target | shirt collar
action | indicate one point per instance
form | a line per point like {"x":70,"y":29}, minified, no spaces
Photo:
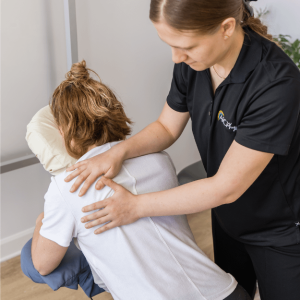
{"x":248,"y":59}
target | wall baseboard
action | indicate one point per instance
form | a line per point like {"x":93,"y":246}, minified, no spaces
{"x":11,"y":246}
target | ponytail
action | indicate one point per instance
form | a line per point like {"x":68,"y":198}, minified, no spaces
{"x":255,"y":23}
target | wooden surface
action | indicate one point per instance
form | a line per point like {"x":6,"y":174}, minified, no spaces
{"x":16,"y":286}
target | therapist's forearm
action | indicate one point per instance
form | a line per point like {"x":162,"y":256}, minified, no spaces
{"x":157,"y":136}
{"x":153,"y":138}
{"x":190,"y":198}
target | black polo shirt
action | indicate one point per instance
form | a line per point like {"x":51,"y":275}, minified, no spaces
{"x":257,"y":105}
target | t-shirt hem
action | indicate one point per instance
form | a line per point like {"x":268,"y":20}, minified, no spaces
{"x":217,"y":296}
{"x":53,"y":238}
{"x":176,"y":107}
{"x":289,"y":240}
{"x":264,"y":147}
{"x":226,"y":292}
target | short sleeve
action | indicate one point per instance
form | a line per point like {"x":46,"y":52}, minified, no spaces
{"x":177,"y":95}
{"x":59,"y":223}
{"x":269,"y":122}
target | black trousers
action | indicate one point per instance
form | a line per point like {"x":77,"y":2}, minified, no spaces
{"x":277,"y":269}
{"x":238,"y":294}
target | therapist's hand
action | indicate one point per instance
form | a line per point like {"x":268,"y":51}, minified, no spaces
{"x":108,"y":164}
{"x":120,"y":209}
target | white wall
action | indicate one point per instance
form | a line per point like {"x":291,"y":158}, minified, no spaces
{"x":33,"y":62}
{"x":283,"y":17}
{"x":22,"y":200}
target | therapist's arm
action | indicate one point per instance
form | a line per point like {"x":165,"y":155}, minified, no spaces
{"x":46,"y":254}
{"x":240,"y":167}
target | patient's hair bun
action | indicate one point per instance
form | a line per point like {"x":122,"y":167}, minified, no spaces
{"x":87,"y":111}
{"x":78,"y":72}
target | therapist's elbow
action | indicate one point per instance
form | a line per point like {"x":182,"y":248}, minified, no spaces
{"x":226,"y":193}
{"x":227,"y":199}
{"x":231,"y":194}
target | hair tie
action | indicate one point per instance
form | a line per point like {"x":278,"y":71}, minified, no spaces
{"x":249,"y":7}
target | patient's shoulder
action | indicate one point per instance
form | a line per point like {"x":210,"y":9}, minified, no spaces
{"x":152,"y":172}
{"x":53,"y":192}
{"x":160,"y":161}
{"x":60,"y":178}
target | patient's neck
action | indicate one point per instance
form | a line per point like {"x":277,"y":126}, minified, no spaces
{"x":91,"y":147}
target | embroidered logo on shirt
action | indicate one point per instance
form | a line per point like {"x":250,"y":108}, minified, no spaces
{"x":228,"y":125}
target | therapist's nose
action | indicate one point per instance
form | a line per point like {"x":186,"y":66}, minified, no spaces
{"x":178,"y":56}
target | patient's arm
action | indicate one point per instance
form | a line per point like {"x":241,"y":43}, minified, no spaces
{"x":46,"y":254}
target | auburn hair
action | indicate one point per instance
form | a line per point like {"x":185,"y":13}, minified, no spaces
{"x":87,"y":111}
{"x":205,"y":16}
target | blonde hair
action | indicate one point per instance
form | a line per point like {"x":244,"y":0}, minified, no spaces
{"x":87,"y":111}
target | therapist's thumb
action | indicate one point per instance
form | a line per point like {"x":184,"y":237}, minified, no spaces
{"x":100,"y":184}
{"x":110,"y":183}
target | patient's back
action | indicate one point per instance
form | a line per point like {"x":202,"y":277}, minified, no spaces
{"x":153,"y":258}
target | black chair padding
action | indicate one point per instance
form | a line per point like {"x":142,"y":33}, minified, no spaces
{"x":191,"y":173}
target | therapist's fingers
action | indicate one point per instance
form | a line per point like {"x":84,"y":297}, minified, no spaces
{"x":106,"y":227}
{"x":79,"y":180}
{"x":111,"y":173}
{"x":87,"y":183}
{"x":99,"y":185}
{"x":75,"y":173}
{"x":110,"y":183}
{"x":76,"y":166}
{"x":94,"y":206}
{"x":96,"y":215}
{"x":98,"y":222}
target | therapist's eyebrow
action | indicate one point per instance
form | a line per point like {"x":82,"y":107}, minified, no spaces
{"x":184,"y":48}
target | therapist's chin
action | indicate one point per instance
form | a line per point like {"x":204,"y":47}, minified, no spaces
{"x":197,"y":66}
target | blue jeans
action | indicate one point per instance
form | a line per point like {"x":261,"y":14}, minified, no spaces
{"x":73,"y":270}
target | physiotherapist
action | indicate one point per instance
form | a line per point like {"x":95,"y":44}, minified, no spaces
{"x":242,"y":93}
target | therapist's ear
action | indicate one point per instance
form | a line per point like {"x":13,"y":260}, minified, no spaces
{"x":228,"y":27}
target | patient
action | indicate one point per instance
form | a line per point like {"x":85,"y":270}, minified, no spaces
{"x":153,"y":258}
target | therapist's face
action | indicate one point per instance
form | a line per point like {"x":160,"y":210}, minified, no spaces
{"x":198,"y":51}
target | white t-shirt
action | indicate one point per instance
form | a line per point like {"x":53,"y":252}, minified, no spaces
{"x":152,"y":258}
